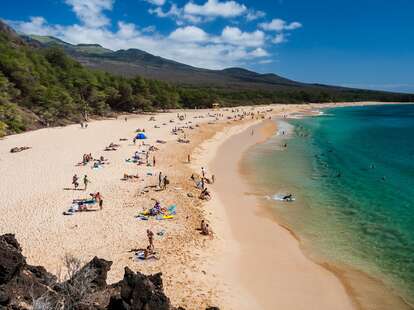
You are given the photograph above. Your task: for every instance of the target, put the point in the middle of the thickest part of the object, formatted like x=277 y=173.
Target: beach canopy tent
x=141 y=136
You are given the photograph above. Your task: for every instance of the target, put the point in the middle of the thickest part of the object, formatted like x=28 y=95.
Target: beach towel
x=172 y=210
x=140 y=256
x=73 y=208
x=84 y=201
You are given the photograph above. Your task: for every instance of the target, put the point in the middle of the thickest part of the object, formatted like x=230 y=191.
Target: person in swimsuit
x=75 y=181
x=86 y=181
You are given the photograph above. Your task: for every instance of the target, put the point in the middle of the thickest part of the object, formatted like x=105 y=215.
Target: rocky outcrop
x=23 y=286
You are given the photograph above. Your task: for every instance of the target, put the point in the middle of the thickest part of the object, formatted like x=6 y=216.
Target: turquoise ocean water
x=352 y=173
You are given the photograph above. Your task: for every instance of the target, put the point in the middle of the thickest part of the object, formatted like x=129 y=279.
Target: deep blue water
x=352 y=172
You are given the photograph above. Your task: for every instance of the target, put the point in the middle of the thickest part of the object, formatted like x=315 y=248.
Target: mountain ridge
x=132 y=62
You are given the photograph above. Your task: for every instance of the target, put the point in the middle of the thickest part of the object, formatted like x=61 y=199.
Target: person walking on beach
x=85 y=182
x=153 y=161
x=203 y=172
x=75 y=181
x=188 y=158
x=100 y=203
x=165 y=182
x=150 y=236
x=160 y=179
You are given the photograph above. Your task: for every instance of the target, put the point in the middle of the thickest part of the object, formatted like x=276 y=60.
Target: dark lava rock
x=11 y=258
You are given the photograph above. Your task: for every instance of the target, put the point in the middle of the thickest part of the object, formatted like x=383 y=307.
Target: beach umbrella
x=141 y=136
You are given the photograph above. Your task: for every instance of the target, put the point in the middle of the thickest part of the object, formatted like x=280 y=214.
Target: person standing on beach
x=153 y=161
x=203 y=172
x=160 y=179
x=75 y=181
x=150 y=236
x=188 y=158
x=165 y=182
x=86 y=181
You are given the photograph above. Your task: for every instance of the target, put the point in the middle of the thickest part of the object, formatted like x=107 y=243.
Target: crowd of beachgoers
x=158 y=172
x=144 y=154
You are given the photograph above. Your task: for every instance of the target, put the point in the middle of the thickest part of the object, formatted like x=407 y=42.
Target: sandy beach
x=249 y=263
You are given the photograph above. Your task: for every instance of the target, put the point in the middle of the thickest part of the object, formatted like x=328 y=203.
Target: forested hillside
x=42 y=87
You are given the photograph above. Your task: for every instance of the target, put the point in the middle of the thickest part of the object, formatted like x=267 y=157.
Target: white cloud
x=293 y=26
x=253 y=15
x=175 y=13
x=279 y=38
x=265 y=61
x=259 y=52
x=215 y=8
x=188 y=43
x=189 y=34
x=279 y=25
x=156 y=2
x=90 y=12
x=234 y=35
x=36 y=25
x=149 y=29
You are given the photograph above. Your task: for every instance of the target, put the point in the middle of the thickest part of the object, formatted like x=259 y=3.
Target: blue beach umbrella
x=141 y=136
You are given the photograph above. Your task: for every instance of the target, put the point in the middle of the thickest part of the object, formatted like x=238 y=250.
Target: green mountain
x=45 y=82
x=133 y=62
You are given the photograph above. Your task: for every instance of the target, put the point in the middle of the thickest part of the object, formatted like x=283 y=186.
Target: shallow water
x=352 y=173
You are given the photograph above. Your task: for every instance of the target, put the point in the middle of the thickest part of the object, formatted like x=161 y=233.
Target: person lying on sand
x=180 y=140
x=19 y=149
x=113 y=145
x=130 y=176
x=149 y=252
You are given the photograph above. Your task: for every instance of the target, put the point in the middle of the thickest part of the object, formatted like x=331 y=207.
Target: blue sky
x=365 y=43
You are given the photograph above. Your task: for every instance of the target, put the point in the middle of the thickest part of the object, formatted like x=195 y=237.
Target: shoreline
x=287 y=279
x=371 y=293
x=365 y=290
